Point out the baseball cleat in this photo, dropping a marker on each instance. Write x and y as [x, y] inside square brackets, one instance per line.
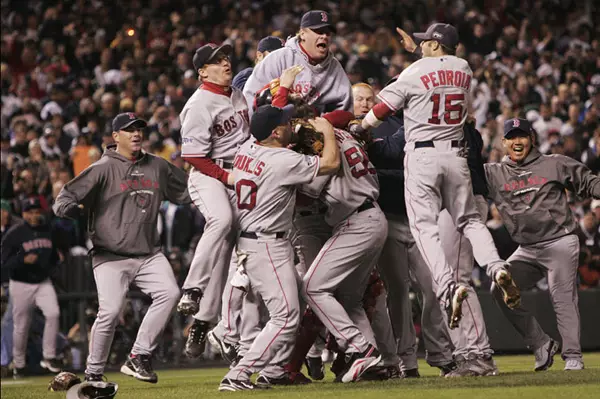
[455, 296]
[286, 379]
[189, 304]
[447, 368]
[53, 365]
[410, 373]
[360, 363]
[544, 355]
[228, 351]
[140, 367]
[91, 377]
[196, 341]
[315, 367]
[483, 365]
[229, 384]
[19, 373]
[510, 292]
[574, 364]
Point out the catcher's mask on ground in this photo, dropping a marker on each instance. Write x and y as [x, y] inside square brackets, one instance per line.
[93, 390]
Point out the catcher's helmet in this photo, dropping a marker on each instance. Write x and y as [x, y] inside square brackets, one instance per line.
[263, 97]
[93, 390]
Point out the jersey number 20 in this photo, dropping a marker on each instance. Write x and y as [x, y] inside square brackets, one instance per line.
[249, 201]
[449, 107]
[357, 156]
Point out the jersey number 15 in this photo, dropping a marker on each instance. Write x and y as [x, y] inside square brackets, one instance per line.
[449, 107]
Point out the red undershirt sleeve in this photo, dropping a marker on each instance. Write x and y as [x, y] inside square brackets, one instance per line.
[208, 167]
[382, 111]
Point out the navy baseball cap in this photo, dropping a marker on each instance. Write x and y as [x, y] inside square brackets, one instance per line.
[267, 118]
[126, 119]
[30, 203]
[269, 43]
[207, 52]
[445, 34]
[317, 19]
[516, 125]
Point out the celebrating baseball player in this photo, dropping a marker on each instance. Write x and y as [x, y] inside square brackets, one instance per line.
[123, 192]
[434, 93]
[322, 82]
[529, 190]
[400, 258]
[214, 123]
[29, 255]
[334, 284]
[266, 175]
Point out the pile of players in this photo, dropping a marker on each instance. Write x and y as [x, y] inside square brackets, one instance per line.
[295, 243]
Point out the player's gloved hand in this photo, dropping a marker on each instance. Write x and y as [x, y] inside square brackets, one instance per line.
[359, 132]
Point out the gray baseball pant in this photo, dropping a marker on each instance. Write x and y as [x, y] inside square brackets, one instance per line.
[383, 332]
[558, 260]
[228, 328]
[270, 268]
[335, 283]
[399, 260]
[153, 275]
[25, 297]
[437, 178]
[471, 336]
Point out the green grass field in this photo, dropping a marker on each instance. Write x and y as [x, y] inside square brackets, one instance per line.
[517, 380]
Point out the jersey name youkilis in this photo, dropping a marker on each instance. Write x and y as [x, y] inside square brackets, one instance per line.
[265, 185]
[355, 182]
[434, 92]
[214, 125]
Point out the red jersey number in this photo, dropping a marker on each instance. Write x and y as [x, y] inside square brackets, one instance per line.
[358, 161]
[249, 201]
[450, 106]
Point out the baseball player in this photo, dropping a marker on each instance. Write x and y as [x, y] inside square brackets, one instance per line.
[214, 123]
[323, 82]
[266, 175]
[123, 192]
[265, 46]
[434, 93]
[334, 284]
[29, 256]
[400, 258]
[472, 347]
[529, 190]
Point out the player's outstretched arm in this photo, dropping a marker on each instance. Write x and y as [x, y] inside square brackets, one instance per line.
[78, 191]
[579, 178]
[329, 163]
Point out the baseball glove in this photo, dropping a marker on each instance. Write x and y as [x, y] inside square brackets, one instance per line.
[63, 381]
[356, 130]
[310, 142]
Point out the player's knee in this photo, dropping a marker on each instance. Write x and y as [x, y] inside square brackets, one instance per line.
[52, 314]
[221, 222]
[108, 315]
[170, 294]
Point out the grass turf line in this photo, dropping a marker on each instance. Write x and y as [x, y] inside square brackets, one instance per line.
[516, 380]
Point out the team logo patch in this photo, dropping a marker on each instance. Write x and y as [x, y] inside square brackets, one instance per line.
[516, 123]
[437, 35]
[131, 115]
[212, 45]
[323, 17]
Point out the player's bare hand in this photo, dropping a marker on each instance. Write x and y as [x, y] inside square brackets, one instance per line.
[30, 259]
[230, 180]
[322, 125]
[289, 75]
[407, 42]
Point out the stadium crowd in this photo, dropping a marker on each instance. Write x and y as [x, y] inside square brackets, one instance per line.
[68, 67]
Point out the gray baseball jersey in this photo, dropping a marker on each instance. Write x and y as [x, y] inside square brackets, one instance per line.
[265, 180]
[213, 124]
[434, 93]
[325, 85]
[355, 183]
